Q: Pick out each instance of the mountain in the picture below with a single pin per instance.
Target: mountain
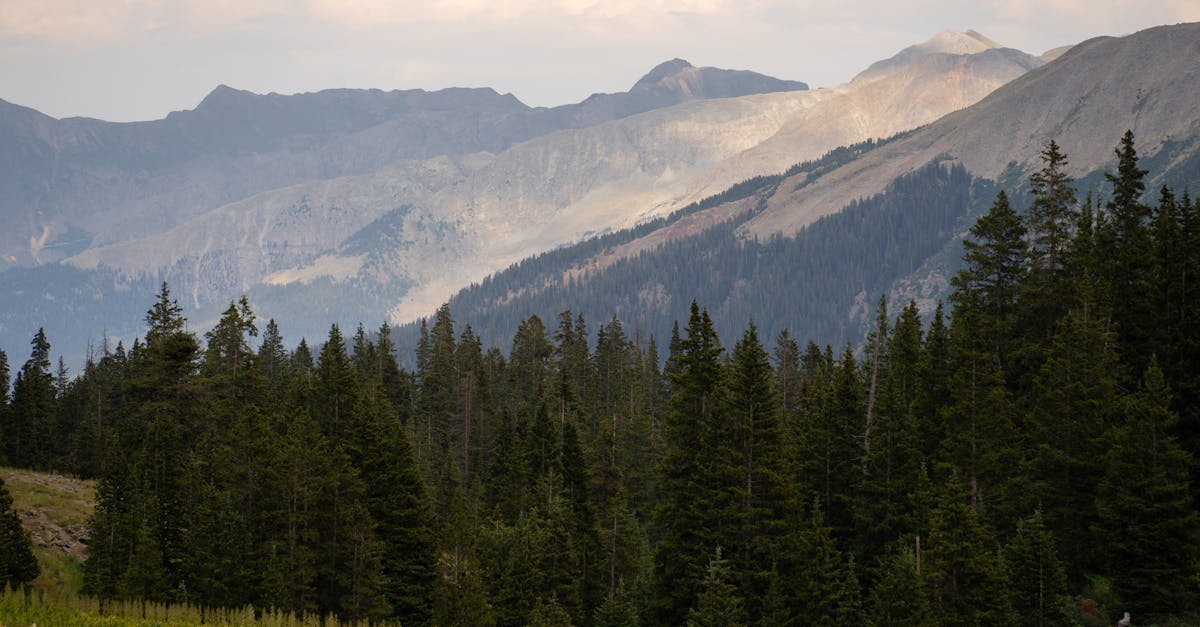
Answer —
(75, 182)
(812, 248)
(366, 241)
(1083, 100)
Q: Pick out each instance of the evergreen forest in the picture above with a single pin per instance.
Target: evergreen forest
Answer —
(1022, 455)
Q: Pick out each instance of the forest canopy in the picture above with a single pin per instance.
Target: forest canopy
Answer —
(1024, 455)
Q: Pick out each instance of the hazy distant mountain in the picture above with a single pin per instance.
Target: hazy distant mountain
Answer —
(811, 249)
(66, 184)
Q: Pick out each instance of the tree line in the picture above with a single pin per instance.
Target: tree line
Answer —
(1026, 457)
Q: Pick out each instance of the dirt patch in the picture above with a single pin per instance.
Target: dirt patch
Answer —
(54, 509)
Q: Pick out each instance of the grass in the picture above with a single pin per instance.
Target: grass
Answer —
(63, 607)
(54, 509)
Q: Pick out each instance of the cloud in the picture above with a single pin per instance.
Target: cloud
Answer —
(86, 22)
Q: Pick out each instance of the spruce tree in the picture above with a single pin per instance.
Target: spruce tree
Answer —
(900, 597)
(1073, 404)
(396, 499)
(684, 520)
(767, 496)
(960, 565)
(933, 384)
(986, 288)
(5, 393)
(1037, 586)
(1128, 254)
(1148, 522)
(817, 581)
(1052, 213)
(1046, 292)
(336, 393)
(719, 604)
(17, 564)
(31, 434)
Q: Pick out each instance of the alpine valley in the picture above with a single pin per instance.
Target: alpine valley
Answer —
(922, 348)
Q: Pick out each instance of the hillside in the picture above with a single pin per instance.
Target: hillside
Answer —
(810, 249)
(54, 509)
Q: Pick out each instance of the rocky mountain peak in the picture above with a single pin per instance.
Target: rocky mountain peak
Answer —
(223, 95)
(947, 42)
(663, 70)
(955, 42)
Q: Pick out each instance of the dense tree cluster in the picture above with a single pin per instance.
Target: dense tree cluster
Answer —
(993, 465)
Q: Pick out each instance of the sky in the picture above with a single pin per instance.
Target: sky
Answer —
(125, 60)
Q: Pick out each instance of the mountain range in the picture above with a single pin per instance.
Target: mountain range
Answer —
(361, 205)
(814, 247)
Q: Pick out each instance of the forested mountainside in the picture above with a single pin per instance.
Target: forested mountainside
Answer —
(1026, 457)
(810, 283)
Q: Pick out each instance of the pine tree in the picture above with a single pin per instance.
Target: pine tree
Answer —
(986, 288)
(1037, 586)
(684, 520)
(900, 597)
(1147, 520)
(17, 564)
(718, 604)
(767, 496)
(965, 579)
(31, 434)
(1128, 253)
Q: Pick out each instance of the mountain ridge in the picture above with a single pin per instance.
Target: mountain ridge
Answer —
(801, 233)
(122, 180)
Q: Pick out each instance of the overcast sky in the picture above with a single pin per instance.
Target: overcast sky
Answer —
(139, 59)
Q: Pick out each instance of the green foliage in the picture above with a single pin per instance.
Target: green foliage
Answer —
(1147, 521)
(1037, 586)
(17, 564)
(718, 604)
(900, 597)
(567, 482)
(960, 567)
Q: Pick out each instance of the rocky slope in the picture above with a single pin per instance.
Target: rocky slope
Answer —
(1083, 100)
